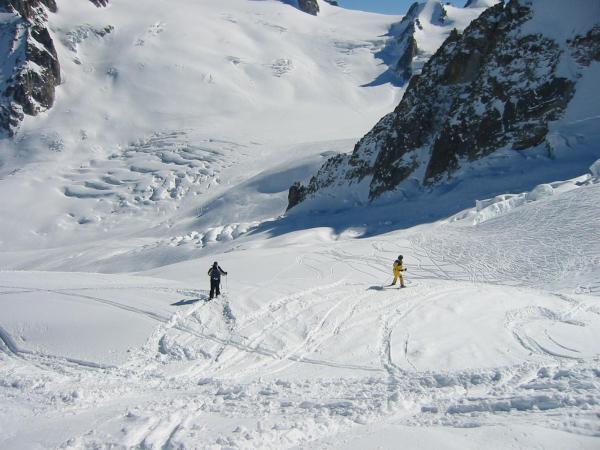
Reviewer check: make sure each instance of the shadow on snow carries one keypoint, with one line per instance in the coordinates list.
(185, 302)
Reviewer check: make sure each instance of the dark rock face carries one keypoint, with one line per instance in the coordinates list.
(28, 8)
(587, 48)
(31, 67)
(296, 194)
(492, 87)
(29, 89)
(404, 66)
(309, 6)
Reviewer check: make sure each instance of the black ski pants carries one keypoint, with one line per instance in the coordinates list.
(215, 285)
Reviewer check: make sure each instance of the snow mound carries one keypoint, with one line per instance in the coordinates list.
(539, 192)
(494, 207)
(213, 234)
(501, 204)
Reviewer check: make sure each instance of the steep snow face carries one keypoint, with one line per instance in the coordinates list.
(421, 32)
(513, 81)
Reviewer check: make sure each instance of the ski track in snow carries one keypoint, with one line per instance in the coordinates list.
(329, 354)
(319, 347)
(235, 371)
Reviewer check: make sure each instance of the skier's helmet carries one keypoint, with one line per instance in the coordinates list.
(400, 257)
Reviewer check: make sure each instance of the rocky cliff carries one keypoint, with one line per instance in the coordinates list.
(30, 70)
(496, 86)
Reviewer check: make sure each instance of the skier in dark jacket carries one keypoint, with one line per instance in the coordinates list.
(215, 273)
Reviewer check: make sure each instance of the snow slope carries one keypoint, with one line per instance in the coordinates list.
(207, 66)
(159, 111)
(496, 335)
(494, 343)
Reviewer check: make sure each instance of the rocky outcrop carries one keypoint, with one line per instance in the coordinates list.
(308, 6)
(586, 48)
(312, 6)
(497, 86)
(31, 70)
(296, 194)
(28, 8)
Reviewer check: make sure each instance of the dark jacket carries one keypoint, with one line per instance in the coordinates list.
(215, 273)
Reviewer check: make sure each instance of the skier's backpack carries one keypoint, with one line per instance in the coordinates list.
(215, 273)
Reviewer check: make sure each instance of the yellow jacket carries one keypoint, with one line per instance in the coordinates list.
(398, 267)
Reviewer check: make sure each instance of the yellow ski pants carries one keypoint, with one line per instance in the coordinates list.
(398, 275)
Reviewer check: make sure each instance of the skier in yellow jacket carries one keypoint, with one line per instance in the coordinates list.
(398, 269)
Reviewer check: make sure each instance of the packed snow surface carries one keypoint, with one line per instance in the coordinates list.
(116, 202)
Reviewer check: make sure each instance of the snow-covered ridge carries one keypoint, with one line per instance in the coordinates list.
(422, 31)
